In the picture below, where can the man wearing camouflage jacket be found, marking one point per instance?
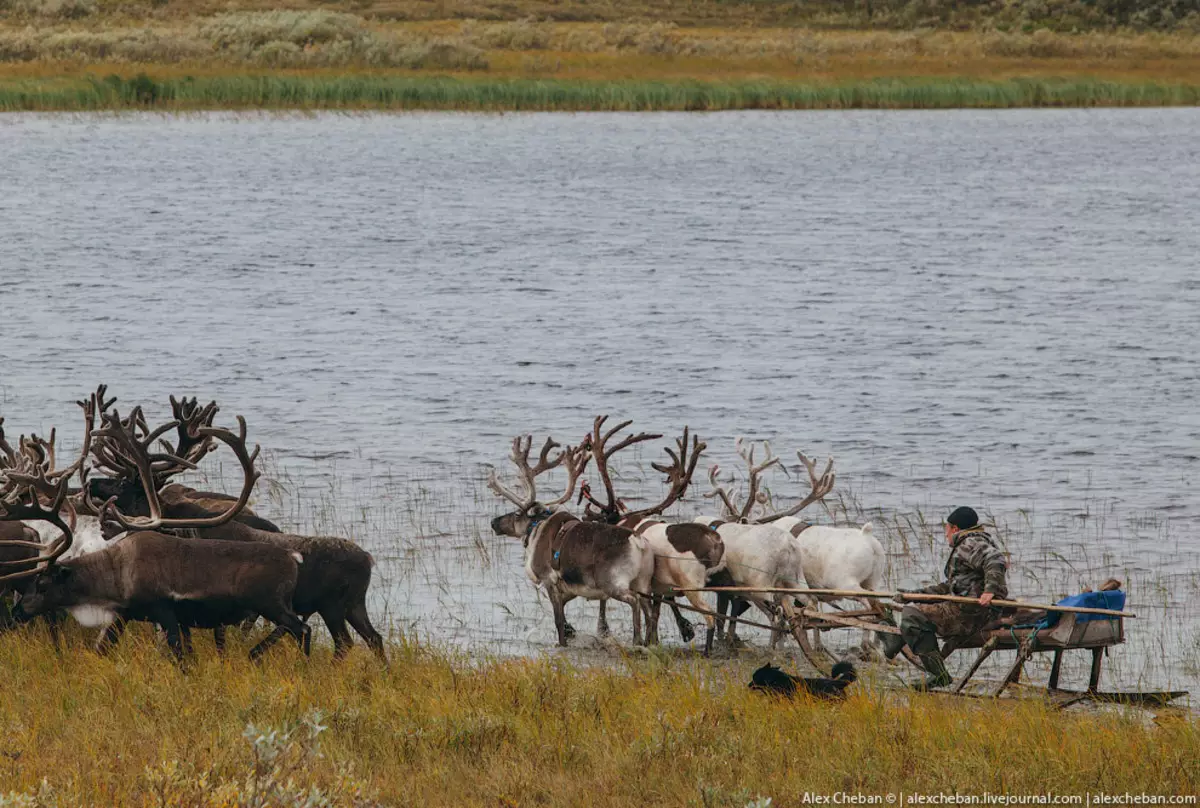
(976, 569)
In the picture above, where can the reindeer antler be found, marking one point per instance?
(754, 471)
(521, 447)
(120, 438)
(679, 473)
(820, 487)
(24, 477)
(602, 453)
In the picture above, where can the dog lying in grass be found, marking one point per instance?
(769, 679)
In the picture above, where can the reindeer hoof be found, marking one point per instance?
(569, 631)
(687, 632)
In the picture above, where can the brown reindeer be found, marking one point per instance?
(145, 575)
(335, 574)
(565, 555)
(685, 555)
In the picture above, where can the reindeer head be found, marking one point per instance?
(48, 591)
(520, 523)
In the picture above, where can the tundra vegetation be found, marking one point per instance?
(576, 55)
(445, 728)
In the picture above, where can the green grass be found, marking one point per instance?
(436, 93)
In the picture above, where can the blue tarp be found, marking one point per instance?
(1113, 599)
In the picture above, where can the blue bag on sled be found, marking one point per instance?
(1113, 599)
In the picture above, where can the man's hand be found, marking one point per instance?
(986, 598)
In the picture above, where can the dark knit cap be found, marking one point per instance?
(963, 518)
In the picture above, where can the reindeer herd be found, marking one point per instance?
(609, 552)
(129, 542)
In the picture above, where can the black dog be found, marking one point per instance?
(769, 679)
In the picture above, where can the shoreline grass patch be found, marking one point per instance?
(390, 92)
(444, 729)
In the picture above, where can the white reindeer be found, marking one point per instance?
(833, 557)
(760, 557)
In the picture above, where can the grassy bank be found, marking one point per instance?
(336, 59)
(265, 91)
(435, 730)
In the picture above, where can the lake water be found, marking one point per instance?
(997, 308)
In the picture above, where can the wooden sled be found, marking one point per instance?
(1068, 634)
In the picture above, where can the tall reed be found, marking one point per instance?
(405, 93)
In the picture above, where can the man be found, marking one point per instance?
(976, 569)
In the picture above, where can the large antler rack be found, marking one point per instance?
(819, 485)
(575, 458)
(41, 453)
(126, 442)
(679, 473)
(26, 476)
(191, 445)
(754, 471)
(601, 452)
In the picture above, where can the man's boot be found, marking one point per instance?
(891, 644)
(920, 633)
(938, 675)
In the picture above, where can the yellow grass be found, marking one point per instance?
(436, 730)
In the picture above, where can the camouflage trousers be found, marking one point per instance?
(922, 624)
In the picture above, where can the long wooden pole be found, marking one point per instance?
(914, 596)
(832, 617)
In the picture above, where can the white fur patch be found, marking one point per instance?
(299, 558)
(93, 616)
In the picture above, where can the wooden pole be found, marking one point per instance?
(911, 596)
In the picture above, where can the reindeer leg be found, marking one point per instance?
(54, 621)
(108, 639)
(335, 621)
(602, 620)
(219, 640)
(275, 636)
(686, 630)
(360, 621)
(722, 609)
(635, 602)
(560, 617)
(166, 618)
(698, 602)
(653, 610)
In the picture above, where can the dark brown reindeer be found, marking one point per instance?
(565, 555)
(334, 576)
(145, 575)
(685, 555)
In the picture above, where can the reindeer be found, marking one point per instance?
(565, 555)
(685, 555)
(335, 574)
(833, 557)
(143, 576)
(756, 556)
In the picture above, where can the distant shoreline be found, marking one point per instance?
(384, 92)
